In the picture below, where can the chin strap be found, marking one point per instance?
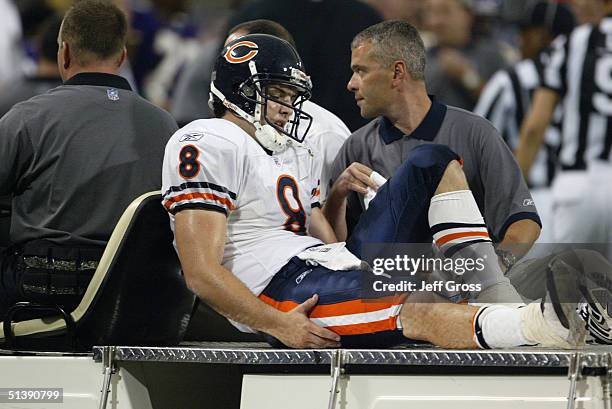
(270, 138)
(267, 136)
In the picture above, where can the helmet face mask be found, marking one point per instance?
(258, 92)
(244, 73)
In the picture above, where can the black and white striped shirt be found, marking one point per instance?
(580, 71)
(505, 101)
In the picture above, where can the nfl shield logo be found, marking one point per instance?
(112, 94)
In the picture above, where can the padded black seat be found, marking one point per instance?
(137, 295)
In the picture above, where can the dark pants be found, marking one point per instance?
(398, 214)
(43, 274)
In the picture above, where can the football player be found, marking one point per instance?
(254, 244)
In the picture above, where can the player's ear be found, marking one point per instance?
(66, 57)
(399, 70)
(122, 57)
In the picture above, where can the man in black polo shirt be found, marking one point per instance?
(388, 63)
(73, 159)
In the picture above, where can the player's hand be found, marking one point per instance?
(355, 178)
(297, 331)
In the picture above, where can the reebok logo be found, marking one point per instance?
(191, 136)
(301, 276)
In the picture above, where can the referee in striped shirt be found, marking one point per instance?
(507, 96)
(578, 74)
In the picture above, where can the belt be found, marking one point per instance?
(45, 276)
(64, 265)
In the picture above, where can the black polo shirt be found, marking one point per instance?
(490, 168)
(75, 157)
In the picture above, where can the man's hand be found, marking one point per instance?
(355, 178)
(226, 294)
(297, 331)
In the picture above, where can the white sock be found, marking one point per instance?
(460, 232)
(543, 327)
(499, 326)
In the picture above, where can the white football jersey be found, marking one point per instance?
(327, 134)
(212, 164)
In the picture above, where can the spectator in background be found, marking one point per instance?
(47, 74)
(192, 87)
(323, 30)
(410, 11)
(462, 59)
(507, 96)
(33, 15)
(588, 11)
(193, 81)
(11, 52)
(73, 159)
(162, 39)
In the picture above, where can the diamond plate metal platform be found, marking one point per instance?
(262, 354)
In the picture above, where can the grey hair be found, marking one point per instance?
(395, 40)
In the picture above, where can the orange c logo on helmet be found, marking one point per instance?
(229, 54)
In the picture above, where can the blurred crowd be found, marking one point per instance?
(172, 44)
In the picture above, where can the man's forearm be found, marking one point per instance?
(208, 279)
(519, 237)
(321, 228)
(227, 295)
(334, 211)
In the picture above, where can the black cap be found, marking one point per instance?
(555, 17)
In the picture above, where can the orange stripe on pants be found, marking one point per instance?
(348, 308)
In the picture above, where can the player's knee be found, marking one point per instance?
(453, 179)
(426, 163)
(431, 155)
